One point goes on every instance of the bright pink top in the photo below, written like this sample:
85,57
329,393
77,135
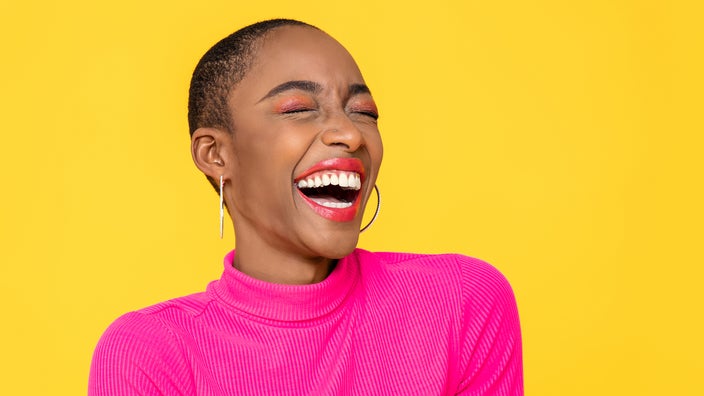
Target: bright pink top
379,324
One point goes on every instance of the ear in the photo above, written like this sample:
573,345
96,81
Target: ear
211,149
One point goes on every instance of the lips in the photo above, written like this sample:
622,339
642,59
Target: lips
332,188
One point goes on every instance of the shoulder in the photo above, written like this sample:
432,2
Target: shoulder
483,284
136,332
184,307
145,350
159,321
153,327
471,273
478,288
401,259
471,282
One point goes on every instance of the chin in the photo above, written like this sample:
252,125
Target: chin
336,245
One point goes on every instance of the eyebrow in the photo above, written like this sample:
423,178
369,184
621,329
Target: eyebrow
308,86
312,87
356,89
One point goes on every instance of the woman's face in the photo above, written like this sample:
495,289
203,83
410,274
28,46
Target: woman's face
305,149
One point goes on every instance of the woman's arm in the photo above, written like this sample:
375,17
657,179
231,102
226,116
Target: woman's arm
491,354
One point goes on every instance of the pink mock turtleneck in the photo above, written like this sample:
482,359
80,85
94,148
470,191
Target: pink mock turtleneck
379,324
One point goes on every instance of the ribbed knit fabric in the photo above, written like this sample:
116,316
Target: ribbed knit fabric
379,324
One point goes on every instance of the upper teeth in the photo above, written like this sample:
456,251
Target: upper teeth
350,180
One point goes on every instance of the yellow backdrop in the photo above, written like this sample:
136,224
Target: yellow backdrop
559,140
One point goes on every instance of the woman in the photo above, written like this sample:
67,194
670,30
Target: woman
285,128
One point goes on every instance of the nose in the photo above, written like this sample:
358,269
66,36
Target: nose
344,134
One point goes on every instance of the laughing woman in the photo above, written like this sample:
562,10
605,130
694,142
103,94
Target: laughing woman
284,126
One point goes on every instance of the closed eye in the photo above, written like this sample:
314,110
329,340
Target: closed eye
366,113
369,114
294,111
294,103
363,105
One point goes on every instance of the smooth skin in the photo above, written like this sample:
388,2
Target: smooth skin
277,136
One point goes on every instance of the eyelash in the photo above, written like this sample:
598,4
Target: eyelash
297,110
371,114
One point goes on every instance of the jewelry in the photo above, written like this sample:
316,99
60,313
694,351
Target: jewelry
222,211
376,212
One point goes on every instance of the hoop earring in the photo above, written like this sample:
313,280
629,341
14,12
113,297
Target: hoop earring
222,211
376,212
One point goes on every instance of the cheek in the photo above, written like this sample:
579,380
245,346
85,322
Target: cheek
270,156
375,147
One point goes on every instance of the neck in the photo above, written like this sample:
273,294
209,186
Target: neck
260,261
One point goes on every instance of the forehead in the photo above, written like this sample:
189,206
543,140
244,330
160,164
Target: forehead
302,53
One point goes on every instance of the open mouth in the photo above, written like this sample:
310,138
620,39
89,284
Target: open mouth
332,188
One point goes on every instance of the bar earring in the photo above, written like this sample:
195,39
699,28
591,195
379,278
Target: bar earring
222,210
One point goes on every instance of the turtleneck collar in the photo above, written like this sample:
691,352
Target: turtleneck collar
286,302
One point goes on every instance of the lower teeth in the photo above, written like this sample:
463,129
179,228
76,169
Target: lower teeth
338,205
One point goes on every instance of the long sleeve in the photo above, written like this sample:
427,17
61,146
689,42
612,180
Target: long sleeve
491,350
138,355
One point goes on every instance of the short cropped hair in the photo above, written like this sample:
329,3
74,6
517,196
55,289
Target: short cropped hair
220,69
